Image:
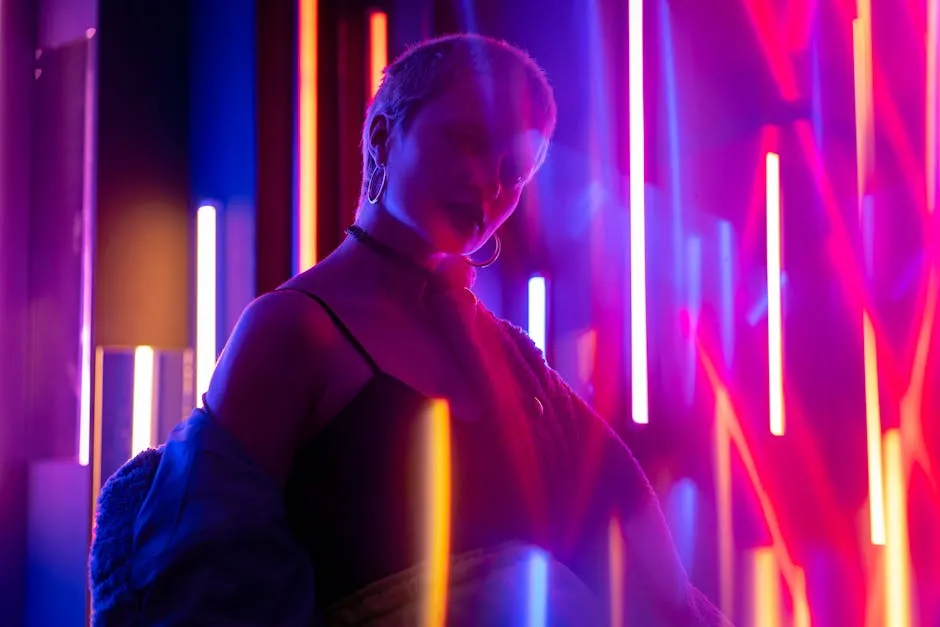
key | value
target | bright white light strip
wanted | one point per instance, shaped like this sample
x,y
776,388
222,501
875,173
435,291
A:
x,y
537,615
638,330
538,302
88,266
205,298
142,420
774,304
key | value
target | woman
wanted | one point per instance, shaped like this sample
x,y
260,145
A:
x,y
292,493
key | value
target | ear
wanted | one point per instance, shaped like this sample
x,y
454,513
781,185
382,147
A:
x,y
380,132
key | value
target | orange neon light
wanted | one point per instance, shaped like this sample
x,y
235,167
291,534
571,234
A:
x,y
378,49
728,416
766,603
897,547
307,62
723,498
616,566
437,512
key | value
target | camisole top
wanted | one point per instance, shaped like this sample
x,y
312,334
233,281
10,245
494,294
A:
x,y
356,497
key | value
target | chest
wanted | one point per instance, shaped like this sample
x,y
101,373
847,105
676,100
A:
x,y
438,358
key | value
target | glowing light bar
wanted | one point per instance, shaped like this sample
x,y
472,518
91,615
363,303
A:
x,y
206,339
693,280
437,512
638,328
864,133
876,499
615,562
538,303
378,49
766,609
537,615
724,413
88,267
142,423
307,157
774,297
897,547
726,263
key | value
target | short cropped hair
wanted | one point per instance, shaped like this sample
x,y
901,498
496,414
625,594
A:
x,y
425,70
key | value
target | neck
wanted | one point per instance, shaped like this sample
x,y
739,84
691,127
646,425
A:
x,y
402,272
403,240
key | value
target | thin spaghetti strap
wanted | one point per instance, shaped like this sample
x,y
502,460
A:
x,y
339,325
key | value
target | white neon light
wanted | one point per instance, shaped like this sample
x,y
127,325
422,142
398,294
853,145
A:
x,y
206,340
638,329
538,309
88,268
142,424
774,304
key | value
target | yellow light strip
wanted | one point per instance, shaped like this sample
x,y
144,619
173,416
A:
x,y
307,157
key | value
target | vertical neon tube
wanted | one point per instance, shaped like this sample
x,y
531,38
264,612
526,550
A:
x,y
142,423
88,248
726,263
672,124
206,339
774,297
378,49
537,601
638,327
615,561
864,135
538,309
437,512
307,141
724,414
897,546
693,293
766,608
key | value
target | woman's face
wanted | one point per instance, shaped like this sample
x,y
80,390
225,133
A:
x,y
456,172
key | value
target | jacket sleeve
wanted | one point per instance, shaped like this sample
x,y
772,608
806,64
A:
x,y
212,542
600,480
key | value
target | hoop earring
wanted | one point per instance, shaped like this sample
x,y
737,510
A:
x,y
373,196
492,259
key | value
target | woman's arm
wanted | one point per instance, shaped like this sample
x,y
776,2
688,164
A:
x,y
212,542
271,375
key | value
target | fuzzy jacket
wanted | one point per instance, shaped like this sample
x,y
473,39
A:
x,y
193,533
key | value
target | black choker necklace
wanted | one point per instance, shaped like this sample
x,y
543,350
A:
x,y
362,236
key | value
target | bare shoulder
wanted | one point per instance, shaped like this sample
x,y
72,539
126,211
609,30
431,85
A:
x,y
271,374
